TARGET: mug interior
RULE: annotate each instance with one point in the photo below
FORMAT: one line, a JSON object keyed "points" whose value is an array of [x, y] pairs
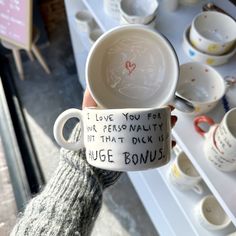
{"points": [[213, 212], [200, 83], [186, 166], [130, 67], [231, 122], [215, 26]]}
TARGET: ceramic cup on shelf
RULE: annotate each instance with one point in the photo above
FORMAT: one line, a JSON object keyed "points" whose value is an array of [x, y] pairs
{"points": [[138, 11], [132, 66], [84, 21], [211, 215], [183, 174], [202, 85], [199, 56], [120, 139], [220, 140], [213, 32]]}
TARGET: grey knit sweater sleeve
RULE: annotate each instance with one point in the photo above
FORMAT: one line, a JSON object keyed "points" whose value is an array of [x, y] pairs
{"points": [[71, 200]]}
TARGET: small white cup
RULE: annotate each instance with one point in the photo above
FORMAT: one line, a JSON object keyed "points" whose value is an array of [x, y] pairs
{"points": [[201, 85], [120, 139], [84, 21], [132, 66], [213, 32], [138, 11], [211, 215], [183, 174], [220, 140]]}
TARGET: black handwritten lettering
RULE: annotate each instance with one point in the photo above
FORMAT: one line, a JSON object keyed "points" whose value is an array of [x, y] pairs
{"points": [[104, 117], [160, 126], [147, 139], [91, 128], [114, 128], [91, 138], [130, 116], [142, 158], [162, 156], [102, 154], [111, 139]]}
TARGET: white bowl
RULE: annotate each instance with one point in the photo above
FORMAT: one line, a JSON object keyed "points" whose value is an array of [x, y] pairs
{"points": [[213, 32], [138, 11], [201, 85], [205, 58], [132, 66]]}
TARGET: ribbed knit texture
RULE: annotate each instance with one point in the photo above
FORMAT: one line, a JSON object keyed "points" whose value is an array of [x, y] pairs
{"points": [[71, 200]]}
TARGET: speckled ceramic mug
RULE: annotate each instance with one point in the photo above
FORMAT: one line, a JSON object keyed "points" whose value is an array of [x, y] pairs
{"points": [[120, 139]]}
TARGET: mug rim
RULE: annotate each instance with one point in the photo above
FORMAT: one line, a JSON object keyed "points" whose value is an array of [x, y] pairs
{"points": [[198, 177]]}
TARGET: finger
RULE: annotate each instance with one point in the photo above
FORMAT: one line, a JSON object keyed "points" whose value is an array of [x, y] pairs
{"points": [[171, 107], [173, 121], [88, 100], [173, 143]]}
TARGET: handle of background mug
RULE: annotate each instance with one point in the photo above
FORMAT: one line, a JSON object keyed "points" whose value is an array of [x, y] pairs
{"points": [[202, 119], [59, 125], [198, 188], [183, 104], [177, 149], [230, 81]]}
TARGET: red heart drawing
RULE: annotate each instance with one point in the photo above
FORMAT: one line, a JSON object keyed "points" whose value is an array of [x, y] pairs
{"points": [[130, 66]]}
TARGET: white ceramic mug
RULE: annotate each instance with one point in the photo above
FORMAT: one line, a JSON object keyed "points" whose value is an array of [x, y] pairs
{"points": [[202, 85], [120, 139], [196, 55], [213, 32], [133, 66], [210, 214], [138, 11], [220, 143], [183, 174], [84, 21]]}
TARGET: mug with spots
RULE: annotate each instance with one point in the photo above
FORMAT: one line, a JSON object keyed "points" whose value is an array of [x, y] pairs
{"points": [[202, 85], [213, 32]]}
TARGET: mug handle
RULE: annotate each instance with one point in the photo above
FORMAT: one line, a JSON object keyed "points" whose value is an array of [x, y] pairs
{"points": [[198, 188], [59, 125], [177, 149], [202, 119]]}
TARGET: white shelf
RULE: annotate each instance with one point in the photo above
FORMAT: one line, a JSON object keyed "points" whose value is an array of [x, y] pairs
{"points": [[103, 20], [166, 205], [160, 204]]}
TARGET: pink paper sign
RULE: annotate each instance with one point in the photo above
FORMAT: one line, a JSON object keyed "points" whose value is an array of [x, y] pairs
{"points": [[15, 22]]}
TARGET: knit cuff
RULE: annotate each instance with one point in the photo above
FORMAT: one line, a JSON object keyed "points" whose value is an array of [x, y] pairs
{"points": [[77, 159]]}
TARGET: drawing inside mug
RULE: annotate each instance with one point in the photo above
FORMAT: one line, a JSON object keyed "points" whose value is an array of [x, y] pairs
{"points": [[127, 73]]}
